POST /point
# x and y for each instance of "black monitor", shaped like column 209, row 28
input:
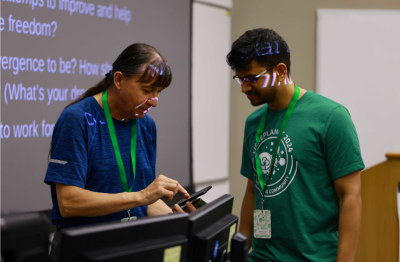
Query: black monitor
column 25, row 238
column 211, row 228
column 146, row 239
column 239, row 249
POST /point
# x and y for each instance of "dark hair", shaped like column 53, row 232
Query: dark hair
column 262, row 44
column 131, row 62
column 136, row 59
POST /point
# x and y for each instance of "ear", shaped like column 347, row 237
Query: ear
column 282, row 72
column 118, row 79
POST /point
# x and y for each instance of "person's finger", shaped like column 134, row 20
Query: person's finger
column 170, row 197
column 186, row 196
column 181, row 189
column 176, row 190
column 174, row 210
column 190, row 206
column 177, row 208
column 171, row 186
column 167, row 193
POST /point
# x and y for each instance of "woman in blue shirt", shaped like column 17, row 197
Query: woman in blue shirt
column 86, row 182
column 103, row 151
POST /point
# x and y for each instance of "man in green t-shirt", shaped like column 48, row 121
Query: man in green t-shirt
column 302, row 201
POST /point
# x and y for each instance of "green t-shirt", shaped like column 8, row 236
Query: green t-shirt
column 319, row 145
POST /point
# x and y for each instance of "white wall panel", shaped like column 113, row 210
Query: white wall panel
column 218, row 189
column 223, row 3
column 358, row 54
column 211, row 43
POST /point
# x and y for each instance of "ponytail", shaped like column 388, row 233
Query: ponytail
column 100, row 87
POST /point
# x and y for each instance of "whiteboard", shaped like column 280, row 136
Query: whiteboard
column 358, row 63
column 222, row 3
column 211, row 42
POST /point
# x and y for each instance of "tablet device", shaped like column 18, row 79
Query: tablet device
column 194, row 196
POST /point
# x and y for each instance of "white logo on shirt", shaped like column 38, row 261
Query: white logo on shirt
column 285, row 168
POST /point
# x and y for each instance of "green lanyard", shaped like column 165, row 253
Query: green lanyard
column 114, row 140
column 260, row 130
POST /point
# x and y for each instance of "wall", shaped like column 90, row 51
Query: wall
column 295, row 21
column 210, row 91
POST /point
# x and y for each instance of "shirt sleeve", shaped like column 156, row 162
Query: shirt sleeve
column 69, row 151
column 341, row 145
column 246, row 169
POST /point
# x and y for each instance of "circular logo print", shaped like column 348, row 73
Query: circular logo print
column 284, row 168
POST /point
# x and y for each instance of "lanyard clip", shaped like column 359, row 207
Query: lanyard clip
column 129, row 213
column 262, row 203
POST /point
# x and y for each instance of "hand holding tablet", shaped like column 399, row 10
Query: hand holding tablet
column 196, row 202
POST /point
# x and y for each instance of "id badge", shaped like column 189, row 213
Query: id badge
column 262, row 224
column 129, row 218
column 126, row 219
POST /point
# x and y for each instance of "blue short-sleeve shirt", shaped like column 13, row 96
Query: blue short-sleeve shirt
column 82, row 155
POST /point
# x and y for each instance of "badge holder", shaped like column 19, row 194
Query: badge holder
column 262, row 223
column 129, row 218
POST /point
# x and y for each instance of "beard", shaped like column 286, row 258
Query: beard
column 266, row 97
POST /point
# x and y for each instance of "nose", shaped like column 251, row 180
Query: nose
column 153, row 101
column 246, row 87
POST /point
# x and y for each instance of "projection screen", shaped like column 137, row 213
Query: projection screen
column 52, row 51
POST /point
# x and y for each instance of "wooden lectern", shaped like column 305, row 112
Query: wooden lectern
column 379, row 237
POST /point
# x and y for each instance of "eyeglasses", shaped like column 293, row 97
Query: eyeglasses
column 250, row 79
